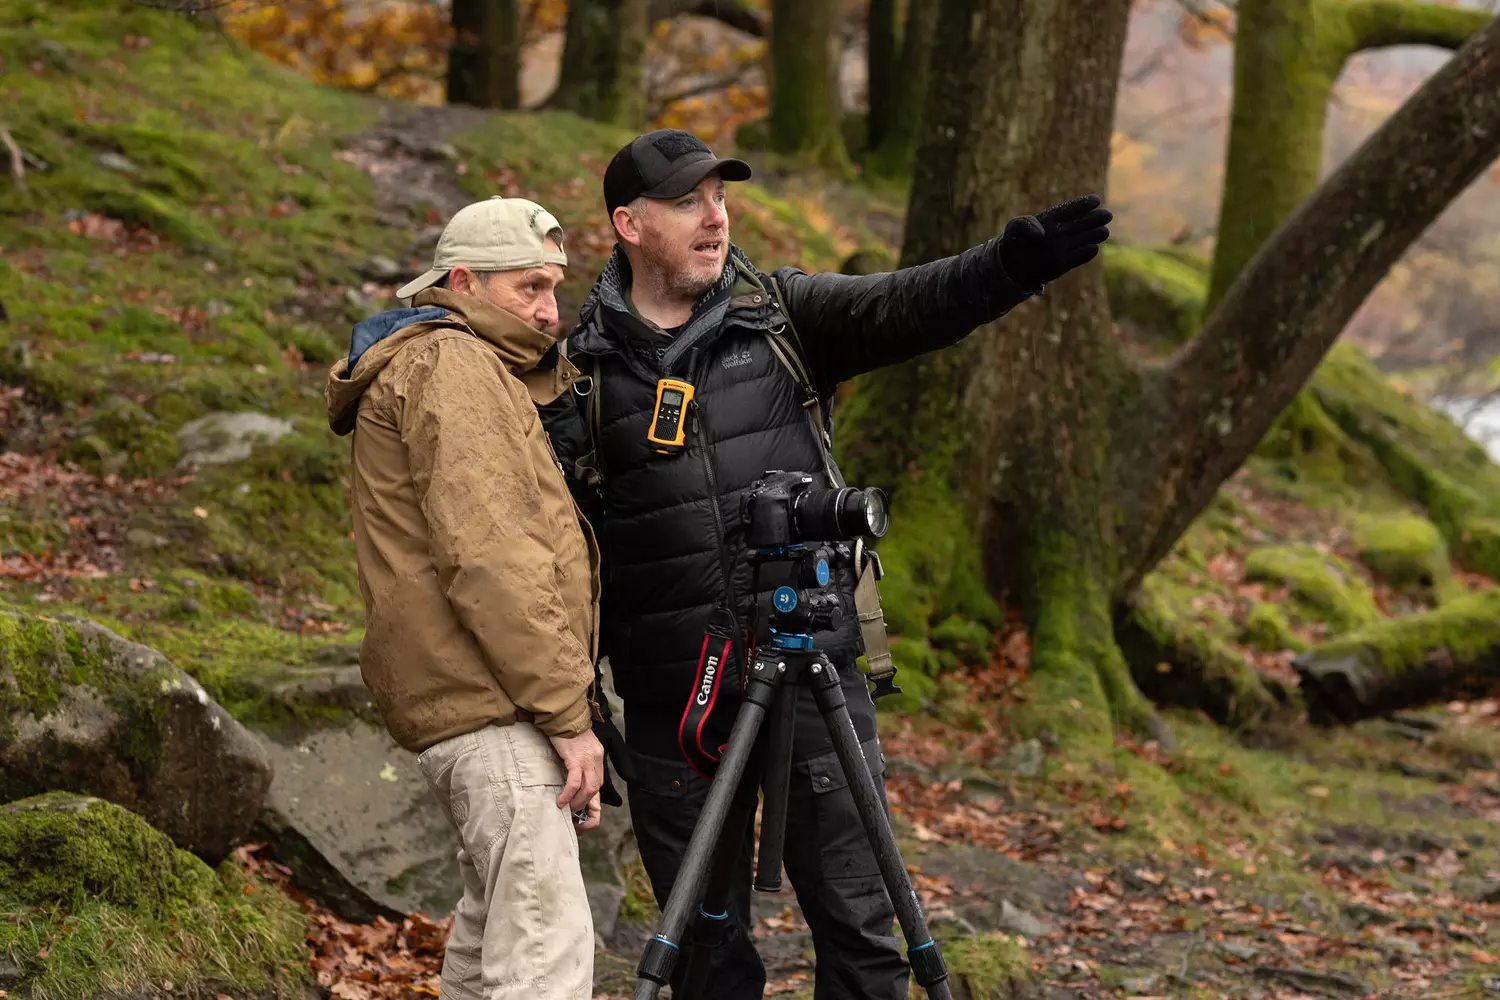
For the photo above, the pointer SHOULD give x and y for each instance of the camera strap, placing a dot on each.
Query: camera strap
(788, 350)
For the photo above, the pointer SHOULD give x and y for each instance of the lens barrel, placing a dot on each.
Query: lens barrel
(840, 515)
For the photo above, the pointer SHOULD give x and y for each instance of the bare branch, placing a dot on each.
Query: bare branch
(1379, 23)
(1223, 389)
(738, 14)
(17, 158)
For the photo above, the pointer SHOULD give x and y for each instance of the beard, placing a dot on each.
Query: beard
(674, 277)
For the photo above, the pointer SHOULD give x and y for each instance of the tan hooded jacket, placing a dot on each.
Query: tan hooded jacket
(479, 574)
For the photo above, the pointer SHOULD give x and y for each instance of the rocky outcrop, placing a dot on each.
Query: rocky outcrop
(85, 710)
(351, 815)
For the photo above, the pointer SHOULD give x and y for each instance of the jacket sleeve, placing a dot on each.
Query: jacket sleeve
(491, 537)
(850, 325)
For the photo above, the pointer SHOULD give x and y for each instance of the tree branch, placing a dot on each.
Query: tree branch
(1379, 23)
(1220, 393)
(739, 14)
(17, 159)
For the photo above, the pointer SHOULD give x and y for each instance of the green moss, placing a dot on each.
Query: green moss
(1325, 588)
(1479, 545)
(1180, 654)
(917, 666)
(1466, 627)
(1159, 295)
(967, 640)
(106, 904)
(1409, 553)
(65, 851)
(1425, 456)
(639, 903)
(987, 967)
(1267, 630)
(1306, 443)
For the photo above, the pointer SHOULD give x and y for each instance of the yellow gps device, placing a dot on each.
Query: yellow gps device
(666, 434)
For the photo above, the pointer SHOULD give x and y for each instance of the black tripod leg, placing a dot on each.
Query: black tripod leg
(712, 919)
(921, 951)
(778, 779)
(660, 956)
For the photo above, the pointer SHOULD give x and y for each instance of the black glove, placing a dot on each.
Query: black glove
(1040, 248)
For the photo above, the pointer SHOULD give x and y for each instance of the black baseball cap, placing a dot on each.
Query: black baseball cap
(666, 163)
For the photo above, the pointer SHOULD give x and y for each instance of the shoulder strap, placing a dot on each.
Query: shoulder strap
(787, 347)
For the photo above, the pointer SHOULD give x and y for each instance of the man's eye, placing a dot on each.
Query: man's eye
(685, 202)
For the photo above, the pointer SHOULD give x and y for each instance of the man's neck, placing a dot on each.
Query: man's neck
(659, 307)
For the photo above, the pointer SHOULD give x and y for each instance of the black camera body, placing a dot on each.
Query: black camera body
(786, 520)
(784, 508)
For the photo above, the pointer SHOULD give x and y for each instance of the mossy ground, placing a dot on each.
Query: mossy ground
(220, 269)
(94, 900)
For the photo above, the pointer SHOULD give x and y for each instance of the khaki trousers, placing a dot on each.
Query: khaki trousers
(523, 930)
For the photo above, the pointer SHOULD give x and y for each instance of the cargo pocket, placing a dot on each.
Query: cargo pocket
(830, 823)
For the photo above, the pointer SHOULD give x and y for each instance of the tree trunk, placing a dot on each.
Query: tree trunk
(602, 75)
(806, 110)
(1287, 56)
(484, 62)
(1035, 457)
(1448, 653)
(994, 437)
(881, 54)
(891, 154)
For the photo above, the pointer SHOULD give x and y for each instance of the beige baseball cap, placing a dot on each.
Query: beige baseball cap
(501, 234)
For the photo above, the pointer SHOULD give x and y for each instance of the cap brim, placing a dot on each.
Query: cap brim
(431, 277)
(689, 176)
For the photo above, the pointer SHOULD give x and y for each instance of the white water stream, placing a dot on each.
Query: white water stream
(1480, 418)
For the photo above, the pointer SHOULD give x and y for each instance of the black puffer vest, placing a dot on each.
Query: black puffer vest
(663, 517)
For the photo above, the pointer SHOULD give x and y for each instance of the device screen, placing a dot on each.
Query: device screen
(671, 397)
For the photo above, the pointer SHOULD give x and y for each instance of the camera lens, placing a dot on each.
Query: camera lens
(839, 515)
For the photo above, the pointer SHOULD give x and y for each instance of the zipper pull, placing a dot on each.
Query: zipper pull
(694, 423)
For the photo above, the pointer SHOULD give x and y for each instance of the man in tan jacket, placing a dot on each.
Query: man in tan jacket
(480, 581)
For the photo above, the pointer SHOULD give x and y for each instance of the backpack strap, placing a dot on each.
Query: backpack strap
(787, 347)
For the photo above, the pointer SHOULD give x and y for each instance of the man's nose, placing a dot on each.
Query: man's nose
(717, 216)
(547, 313)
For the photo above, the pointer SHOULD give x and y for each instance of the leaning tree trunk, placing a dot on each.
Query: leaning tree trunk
(1035, 453)
(891, 152)
(602, 74)
(484, 62)
(1288, 55)
(806, 110)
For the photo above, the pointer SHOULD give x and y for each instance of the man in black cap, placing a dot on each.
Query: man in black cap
(678, 301)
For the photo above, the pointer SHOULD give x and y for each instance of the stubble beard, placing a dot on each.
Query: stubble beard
(673, 279)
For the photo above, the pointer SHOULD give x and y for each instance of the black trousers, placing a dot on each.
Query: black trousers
(827, 858)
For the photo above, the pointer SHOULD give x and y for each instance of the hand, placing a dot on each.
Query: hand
(1040, 248)
(591, 814)
(583, 756)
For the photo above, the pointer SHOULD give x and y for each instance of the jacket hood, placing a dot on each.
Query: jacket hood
(376, 341)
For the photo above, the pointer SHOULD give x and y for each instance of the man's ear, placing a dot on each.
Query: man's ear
(463, 281)
(626, 225)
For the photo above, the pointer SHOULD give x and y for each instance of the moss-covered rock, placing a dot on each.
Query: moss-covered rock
(1176, 659)
(1408, 661)
(969, 641)
(83, 710)
(1158, 295)
(1267, 630)
(63, 849)
(1323, 587)
(102, 903)
(1479, 545)
(1409, 553)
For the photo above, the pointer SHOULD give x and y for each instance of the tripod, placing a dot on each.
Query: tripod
(774, 678)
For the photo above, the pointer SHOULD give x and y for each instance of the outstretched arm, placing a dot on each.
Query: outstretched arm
(850, 325)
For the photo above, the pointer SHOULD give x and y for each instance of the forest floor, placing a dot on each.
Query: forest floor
(198, 232)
